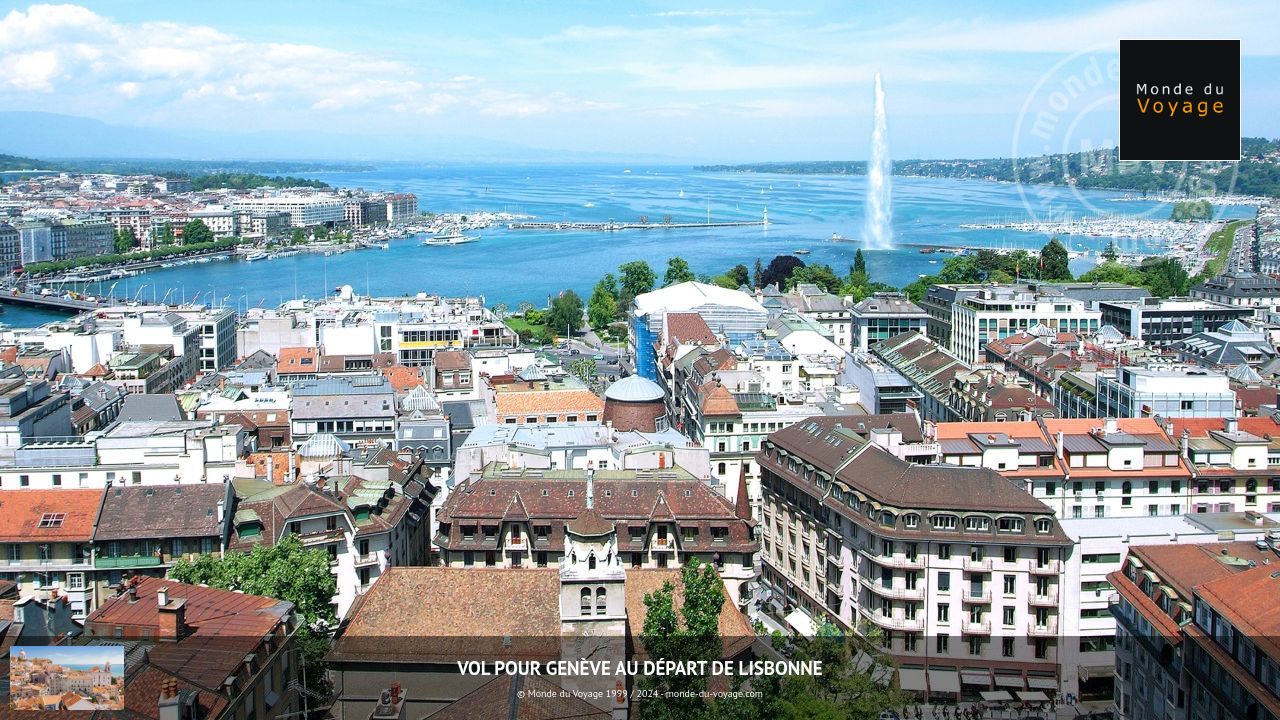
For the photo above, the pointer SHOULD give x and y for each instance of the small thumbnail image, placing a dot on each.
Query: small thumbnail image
(66, 678)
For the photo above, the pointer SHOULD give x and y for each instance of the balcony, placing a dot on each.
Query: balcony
(50, 564)
(323, 537)
(982, 627)
(367, 559)
(517, 543)
(128, 561)
(897, 623)
(1048, 628)
(893, 561)
(972, 565)
(1052, 567)
(977, 596)
(896, 593)
(663, 544)
(1043, 600)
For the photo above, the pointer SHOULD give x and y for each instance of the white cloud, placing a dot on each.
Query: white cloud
(129, 89)
(29, 71)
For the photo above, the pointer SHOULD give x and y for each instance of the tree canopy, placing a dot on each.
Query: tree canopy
(1054, 261)
(779, 271)
(677, 272)
(196, 232)
(565, 313)
(602, 308)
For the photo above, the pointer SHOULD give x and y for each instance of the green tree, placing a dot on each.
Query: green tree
(1111, 254)
(859, 262)
(584, 368)
(1054, 261)
(1165, 277)
(739, 274)
(321, 232)
(757, 274)
(196, 232)
(125, 241)
(677, 272)
(855, 680)
(779, 271)
(501, 310)
(565, 313)
(637, 278)
(166, 235)
(697, 638)
(821, 275)
(287, 571)
(602, 308)
(297, 236)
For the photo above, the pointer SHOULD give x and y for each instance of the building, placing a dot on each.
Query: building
(222, 222)
(143, 530)
(65, 238)
(724, 311)
(401, 207)
(958, 568)
(880, 388)
(264, 223)
(1235, 463)
(828, 310)
(209, 654)
(1195, 629)
(352, 408)
(366, 523)
(133, 216)
(1229, 346)
(929, 367)
(10, 248)
(997, 312)
(635, 403)
(304, 210)
(531, 397)
(1164, 321)
(30, 410)
(1260, 293)
(451, 374)
(882, 316)
(47, 537)
(515, 517)
(1164, 390)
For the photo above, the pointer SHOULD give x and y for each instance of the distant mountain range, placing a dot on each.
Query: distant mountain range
(1258, 170)
(53, 136)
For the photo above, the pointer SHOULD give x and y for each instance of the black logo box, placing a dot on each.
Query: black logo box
(1180, 65)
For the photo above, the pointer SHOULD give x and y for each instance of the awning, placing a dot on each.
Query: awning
(1009, 681)
(1044, 683)
(801, 623)
(996, 696)
(911, 679)
(976, 677)
(944, 681)
(1095, 671)
(1033, 696)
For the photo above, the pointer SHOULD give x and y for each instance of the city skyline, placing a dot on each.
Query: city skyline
(77, 656)
(711, 82)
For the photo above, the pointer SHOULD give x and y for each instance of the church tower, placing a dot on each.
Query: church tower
(593, 605)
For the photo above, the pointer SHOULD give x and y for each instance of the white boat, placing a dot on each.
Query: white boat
(589, 205)
(255, 255)
(836, 237)
(802, 252)
(452, 238)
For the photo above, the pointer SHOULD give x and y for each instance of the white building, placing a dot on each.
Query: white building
(304, 210)
(997, 312)
(1164, 390)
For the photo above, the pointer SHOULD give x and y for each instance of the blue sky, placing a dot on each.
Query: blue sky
(688, 80)
(77, 655)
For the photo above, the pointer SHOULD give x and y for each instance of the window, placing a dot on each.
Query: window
(57, 480)
(944, 551)
(24, 481)
(1010, 554)
(601, 602)
(941, 644)
(1008, 616)
(1011, 525)
(1006, 646)
(51, 520)
(585, 602)
(1010, 584)
(490, 558)
(944, 613)
(944, 581)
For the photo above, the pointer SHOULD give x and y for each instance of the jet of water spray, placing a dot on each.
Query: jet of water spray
(878, 231)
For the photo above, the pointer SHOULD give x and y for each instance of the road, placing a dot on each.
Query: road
(608, 366)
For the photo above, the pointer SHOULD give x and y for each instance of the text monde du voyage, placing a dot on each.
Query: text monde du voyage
(1181, 99)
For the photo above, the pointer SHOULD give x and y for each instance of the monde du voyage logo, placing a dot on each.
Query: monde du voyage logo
(1180, 100)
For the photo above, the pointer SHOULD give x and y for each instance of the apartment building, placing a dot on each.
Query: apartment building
(1163, 390)
(813, 303)
(1195, 629)
(517, 517)
(30, 410)
(401, 207)
(1163, 321)
(1235, 463)
(1255, 291)
(957, 568)
(207, 653)
(48, 543)
(930, 368)
(365, 523)
(882, 316)
(304, 210)
(997, 312)
(10, 248)
(352, 408)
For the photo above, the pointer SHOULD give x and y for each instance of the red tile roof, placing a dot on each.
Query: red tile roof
(452, 360)
(61, 515)
(402, 378)
(1200, 427)
(298, 360)
(684, 328)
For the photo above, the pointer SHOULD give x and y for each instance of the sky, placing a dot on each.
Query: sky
(683, 80)
(77, 655)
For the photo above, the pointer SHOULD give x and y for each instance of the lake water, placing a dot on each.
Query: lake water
(515, 265)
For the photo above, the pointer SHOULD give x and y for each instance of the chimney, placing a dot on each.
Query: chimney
(391, 704)
(133, 595)
(162, 595)
(1185, 443)
(591, 485)
(222, 510)
(173, 620)
(1058, 450)
(1110, 426)
(170, 703)
(1232, 424)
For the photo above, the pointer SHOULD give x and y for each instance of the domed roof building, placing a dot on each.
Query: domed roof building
(635, 403)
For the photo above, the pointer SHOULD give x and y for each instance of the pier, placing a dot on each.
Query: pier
(612, 226)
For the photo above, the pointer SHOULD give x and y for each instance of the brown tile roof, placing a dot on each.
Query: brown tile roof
(402, 378)
(98, 371)
(589, 523)
(549, 402)
(520, 697)
(24, 512)
(1200, 427)
(442, 614)
(164, 511)
(142, 693)
(687, 328)
(279, 467)
(1248, 600)
(298, 360)
(452, 360)
(717, 400)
